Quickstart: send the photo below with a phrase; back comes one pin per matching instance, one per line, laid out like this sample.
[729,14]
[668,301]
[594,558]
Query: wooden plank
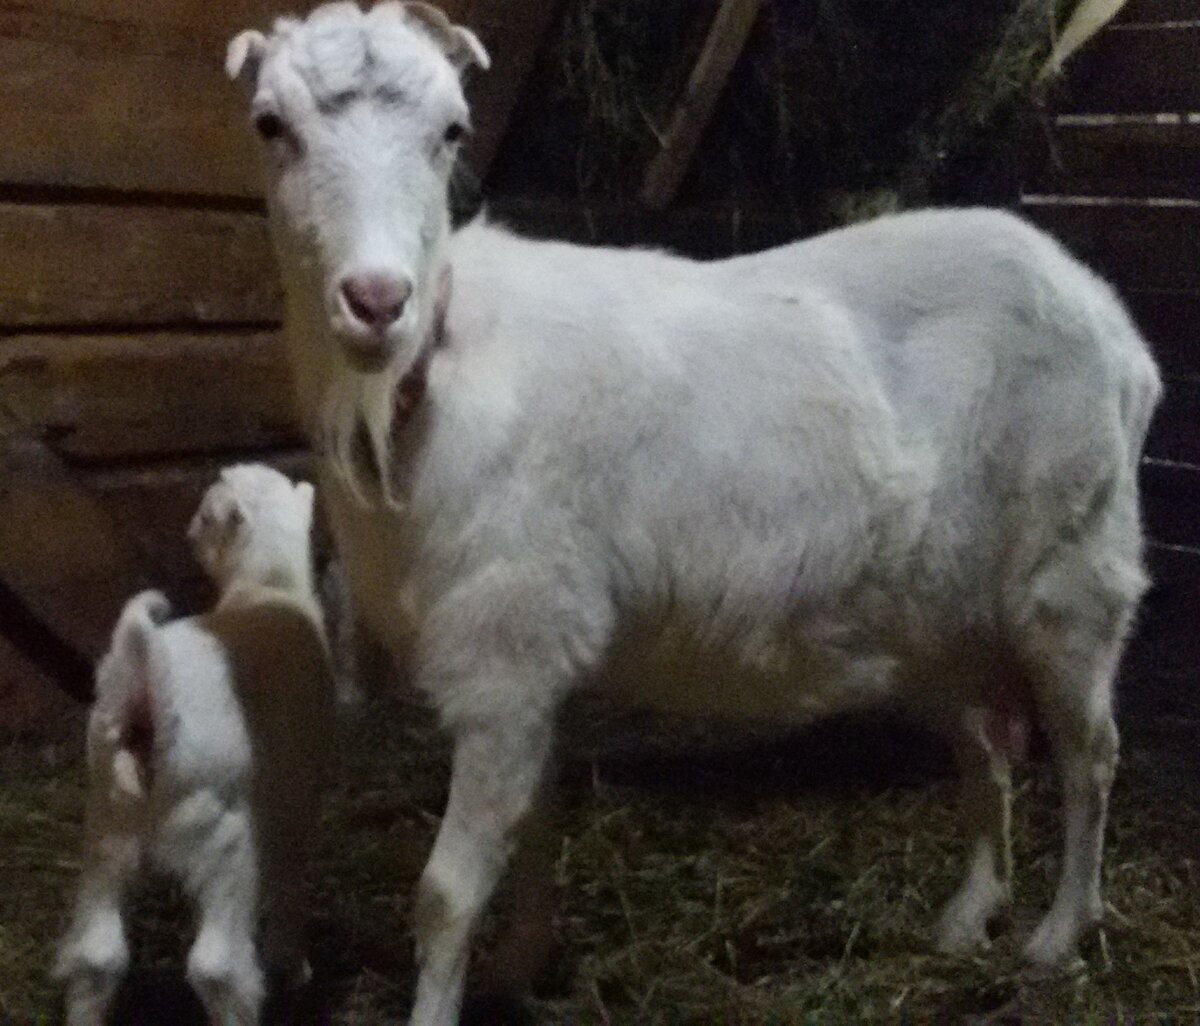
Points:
[33,705]
[1171,500]
[84,263]
[146,104]
[1170,608]
[121,396]
[59,553]
[152,506]
[722,47]
[1158,12]
[1114,155]
[513,35]
[1134,244]
[1136,69]
[117,120]
[164,23]
[1175,430]
[1171,323]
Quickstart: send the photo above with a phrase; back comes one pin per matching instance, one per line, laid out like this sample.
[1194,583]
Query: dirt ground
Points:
[703,878]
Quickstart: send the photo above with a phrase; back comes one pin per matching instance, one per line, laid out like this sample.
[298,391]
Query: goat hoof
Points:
[962,939]
[1052,949]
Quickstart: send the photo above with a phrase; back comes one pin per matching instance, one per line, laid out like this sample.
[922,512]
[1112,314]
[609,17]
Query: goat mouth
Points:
[367,356]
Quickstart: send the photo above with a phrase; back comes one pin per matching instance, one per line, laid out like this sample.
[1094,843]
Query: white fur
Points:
[225,794]
[895,463]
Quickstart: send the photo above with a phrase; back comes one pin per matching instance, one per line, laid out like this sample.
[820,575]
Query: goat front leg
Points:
[522,951]
[498,770]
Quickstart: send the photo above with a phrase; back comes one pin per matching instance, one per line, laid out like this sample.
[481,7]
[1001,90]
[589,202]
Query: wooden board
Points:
[1174,595]
[107,397]
[1134,245]
[1171,322]
[1136,69]
[122,119]
[91,264]
[33,705]
[1114,155]
[1144,12]
[156,26]
[513,34]
[722,46]
[1175,430]
[60,556]
[146,105]
[1171,500]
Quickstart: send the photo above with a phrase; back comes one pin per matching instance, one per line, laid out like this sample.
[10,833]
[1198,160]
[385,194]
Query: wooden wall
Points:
[1114,171]
[139,304]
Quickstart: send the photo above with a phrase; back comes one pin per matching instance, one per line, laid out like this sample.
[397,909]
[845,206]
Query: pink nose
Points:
[376,299]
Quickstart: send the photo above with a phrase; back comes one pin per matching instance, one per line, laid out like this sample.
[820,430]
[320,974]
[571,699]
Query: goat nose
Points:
[376,299]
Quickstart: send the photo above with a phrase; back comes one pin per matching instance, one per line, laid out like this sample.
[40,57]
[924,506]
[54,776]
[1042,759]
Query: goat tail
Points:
[125,689]
[141,616]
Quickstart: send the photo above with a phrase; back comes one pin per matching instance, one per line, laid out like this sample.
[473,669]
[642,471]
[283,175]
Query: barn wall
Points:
[1113,171]
[139,303]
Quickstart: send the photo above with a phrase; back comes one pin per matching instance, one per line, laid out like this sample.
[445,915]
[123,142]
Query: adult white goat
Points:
[205,756]
[893,463]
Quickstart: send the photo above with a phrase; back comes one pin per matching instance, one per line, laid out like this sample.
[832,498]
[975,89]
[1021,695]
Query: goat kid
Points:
[206,748]
[895,463]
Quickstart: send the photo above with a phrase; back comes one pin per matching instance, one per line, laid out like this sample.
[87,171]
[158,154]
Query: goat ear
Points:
[245,55]
[306,493]
[469,50]
[460,45]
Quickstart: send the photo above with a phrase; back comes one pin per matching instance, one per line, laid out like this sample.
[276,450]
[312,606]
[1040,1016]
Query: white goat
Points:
[895,463]
[205,754]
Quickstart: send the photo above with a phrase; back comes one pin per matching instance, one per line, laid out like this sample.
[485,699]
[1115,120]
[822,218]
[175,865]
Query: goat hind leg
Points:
[1075,703]
[987,809]
[223,965]
[95,954]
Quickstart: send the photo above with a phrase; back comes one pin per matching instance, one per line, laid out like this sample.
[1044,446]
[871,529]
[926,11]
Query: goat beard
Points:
[358,409]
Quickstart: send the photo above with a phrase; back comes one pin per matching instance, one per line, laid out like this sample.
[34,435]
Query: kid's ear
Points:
[306,492]
[244,57]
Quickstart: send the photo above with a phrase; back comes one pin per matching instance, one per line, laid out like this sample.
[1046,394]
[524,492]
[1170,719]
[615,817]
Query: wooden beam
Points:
[61,559]
[34,704]
[78,264]
[1135,70]
[513,34]
[1136,245]
[106,104]
[722,47]
[100,398]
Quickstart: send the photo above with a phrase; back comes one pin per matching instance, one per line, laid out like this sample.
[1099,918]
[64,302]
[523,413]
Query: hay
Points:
[744,886]
[834,111]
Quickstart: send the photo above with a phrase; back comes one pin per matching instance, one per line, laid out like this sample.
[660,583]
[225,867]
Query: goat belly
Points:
[759,674]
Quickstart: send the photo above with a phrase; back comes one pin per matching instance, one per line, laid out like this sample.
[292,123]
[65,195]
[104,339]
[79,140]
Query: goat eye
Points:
[455,131]
[269,126]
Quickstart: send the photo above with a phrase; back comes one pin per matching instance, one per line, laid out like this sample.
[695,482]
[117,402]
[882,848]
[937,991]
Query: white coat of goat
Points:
[895,463]
[205,756]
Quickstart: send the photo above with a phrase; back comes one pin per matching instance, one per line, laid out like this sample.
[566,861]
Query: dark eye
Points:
[455,131]
[269,126]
